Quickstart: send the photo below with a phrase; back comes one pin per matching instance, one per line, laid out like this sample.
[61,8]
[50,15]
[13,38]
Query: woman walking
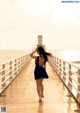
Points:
[40,69]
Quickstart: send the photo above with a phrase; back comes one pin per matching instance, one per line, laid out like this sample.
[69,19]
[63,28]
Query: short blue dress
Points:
[39,71]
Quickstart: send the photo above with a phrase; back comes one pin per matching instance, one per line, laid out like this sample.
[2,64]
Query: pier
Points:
[18,87]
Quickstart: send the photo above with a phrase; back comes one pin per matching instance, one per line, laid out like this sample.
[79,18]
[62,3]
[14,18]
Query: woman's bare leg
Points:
[42,87]
[38,87]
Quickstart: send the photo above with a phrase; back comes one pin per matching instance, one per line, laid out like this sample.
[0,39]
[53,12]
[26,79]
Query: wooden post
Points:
[60,68]
[64,73]
[78,94]
[70,79]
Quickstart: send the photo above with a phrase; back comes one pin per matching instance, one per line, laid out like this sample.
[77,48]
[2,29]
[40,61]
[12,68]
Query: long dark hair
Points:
[42,52]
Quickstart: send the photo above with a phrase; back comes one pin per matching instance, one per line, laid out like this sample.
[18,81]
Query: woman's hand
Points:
[32,54]
[36,49]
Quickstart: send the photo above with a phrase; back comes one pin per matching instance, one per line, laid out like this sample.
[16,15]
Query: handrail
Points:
[69,74]
[10,69]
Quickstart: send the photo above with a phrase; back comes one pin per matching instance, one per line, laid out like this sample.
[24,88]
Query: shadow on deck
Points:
[21,95]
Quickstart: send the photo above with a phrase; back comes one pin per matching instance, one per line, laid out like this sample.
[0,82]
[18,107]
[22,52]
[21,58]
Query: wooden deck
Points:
[21,95]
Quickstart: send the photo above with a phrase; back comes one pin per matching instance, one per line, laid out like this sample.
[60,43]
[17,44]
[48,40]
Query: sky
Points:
[21,21]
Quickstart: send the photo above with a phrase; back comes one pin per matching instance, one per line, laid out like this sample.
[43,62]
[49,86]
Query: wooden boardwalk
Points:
[21,95]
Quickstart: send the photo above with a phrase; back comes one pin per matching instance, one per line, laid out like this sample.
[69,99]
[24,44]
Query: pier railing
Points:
[69,74]
[10,69]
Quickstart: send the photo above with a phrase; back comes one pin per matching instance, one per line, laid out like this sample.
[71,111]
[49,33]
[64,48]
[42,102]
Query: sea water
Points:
[10,54]
[68,55]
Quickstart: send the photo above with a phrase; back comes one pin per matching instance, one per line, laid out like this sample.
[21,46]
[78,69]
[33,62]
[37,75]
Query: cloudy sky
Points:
[21,21]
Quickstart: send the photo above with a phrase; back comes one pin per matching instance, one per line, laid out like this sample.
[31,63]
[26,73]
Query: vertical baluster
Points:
[15,66]
[10,68]
[60,70]
[55,63]
[70,78]
[10,72]
[78,94]
[3,68]
[64,73]
[3,73]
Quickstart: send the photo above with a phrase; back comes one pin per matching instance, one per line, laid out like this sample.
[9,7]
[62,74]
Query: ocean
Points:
[10,54]
[72,56]
[67,55]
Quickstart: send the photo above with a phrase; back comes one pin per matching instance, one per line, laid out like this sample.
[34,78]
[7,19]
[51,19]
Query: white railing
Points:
[69,74]
[10,69]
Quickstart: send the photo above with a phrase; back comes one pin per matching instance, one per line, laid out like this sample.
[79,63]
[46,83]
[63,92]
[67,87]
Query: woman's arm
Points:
[32,54]
[45,66]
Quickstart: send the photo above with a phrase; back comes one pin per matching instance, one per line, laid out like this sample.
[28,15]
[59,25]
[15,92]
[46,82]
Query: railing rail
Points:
[10,69]
[69,74]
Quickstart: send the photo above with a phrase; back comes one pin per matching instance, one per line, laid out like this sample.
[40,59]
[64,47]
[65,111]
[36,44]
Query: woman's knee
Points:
[38,82]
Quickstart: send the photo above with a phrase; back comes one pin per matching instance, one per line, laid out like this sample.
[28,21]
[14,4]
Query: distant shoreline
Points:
[76,62]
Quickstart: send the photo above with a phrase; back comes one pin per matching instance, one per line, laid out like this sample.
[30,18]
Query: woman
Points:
[40,69]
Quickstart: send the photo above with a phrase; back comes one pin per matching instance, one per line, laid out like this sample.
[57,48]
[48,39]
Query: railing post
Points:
[70,79]
[60,70]
[55,63]
[1,74]
[10,69]
[15,66]
[78,94]
[3,78]
[3,68]
[64,73]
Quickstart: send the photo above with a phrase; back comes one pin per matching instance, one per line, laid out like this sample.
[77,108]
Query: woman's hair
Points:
[42,52]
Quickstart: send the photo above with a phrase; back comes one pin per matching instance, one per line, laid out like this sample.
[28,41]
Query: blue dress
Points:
[39,71]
